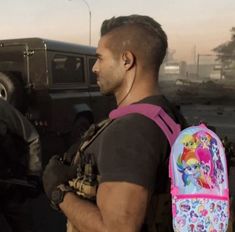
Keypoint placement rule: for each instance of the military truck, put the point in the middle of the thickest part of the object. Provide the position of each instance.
(52, 83)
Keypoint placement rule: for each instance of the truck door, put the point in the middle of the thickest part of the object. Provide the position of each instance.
(68, 89)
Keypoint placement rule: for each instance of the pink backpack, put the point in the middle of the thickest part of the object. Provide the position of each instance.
(198, 172)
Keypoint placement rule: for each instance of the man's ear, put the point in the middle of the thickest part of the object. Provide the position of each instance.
(128, 59)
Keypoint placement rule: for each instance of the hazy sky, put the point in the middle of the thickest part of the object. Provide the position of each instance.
(190, 25)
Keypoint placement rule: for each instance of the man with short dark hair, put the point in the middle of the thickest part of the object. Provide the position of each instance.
(20, 168)
(130, 154)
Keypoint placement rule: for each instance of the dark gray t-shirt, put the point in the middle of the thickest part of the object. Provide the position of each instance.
(134, 149)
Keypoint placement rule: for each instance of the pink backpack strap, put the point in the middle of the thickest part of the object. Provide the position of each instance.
(156, 113)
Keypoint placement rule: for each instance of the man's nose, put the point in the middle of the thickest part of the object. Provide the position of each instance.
(95, 68)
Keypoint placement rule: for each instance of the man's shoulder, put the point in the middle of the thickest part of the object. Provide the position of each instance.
(131, 120)
(4, 105)
(157, 100)
(138, 123)
(8, 112)
(169, 107)
(132, 124)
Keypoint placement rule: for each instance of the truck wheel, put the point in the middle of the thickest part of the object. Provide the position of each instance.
(11, 90)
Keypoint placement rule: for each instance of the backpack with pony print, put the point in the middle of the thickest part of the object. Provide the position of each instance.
(198, 172)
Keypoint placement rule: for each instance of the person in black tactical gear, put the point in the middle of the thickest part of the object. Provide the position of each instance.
(129, 154)
(20, 168)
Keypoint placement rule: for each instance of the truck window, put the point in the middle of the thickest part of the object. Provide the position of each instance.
(68, 69)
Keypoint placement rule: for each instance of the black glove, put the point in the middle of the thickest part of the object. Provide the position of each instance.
(56, 173)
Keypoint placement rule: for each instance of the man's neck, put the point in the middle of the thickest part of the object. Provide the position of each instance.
(137, 86)
(135, 96)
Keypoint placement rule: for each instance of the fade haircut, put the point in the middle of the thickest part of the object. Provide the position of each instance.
(141, 35)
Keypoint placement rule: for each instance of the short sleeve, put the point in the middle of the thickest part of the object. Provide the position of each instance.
(131, 151)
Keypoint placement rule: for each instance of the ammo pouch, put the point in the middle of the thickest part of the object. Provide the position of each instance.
(86, 182)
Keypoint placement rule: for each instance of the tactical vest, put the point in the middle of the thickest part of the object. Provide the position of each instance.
(87, 180)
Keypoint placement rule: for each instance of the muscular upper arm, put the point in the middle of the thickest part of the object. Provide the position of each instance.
(122, 205)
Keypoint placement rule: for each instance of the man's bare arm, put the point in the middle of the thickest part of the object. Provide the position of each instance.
(83, 215)
(121, 206)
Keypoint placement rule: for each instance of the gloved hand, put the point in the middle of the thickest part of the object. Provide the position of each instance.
(56, 173)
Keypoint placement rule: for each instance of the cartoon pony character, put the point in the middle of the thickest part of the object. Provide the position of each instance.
(189, 143)
(203, 153)
(203, 139)
(217, 163)
(181, 220)
(188, 164)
